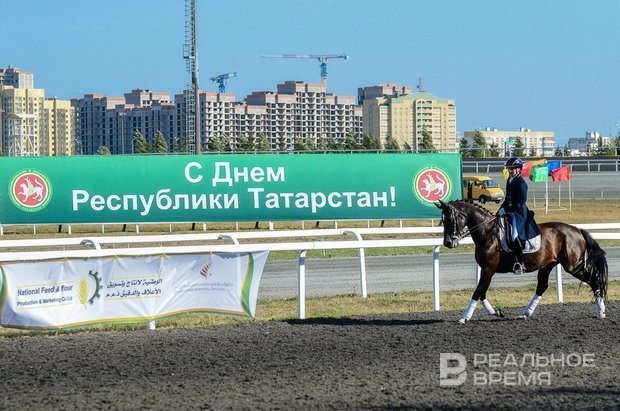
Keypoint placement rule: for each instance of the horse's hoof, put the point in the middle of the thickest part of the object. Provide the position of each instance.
(602, 316)
(499, 313)
(463, 321)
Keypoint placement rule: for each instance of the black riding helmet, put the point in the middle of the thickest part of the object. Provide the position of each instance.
(514, 162)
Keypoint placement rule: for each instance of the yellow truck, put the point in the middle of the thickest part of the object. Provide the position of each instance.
(481, 188)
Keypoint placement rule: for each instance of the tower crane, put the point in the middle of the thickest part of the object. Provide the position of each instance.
(322, 58)
(221, 80)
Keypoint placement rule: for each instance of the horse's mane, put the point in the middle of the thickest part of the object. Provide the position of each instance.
(476, 205)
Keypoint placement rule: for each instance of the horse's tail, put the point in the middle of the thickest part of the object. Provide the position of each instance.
(595, 265)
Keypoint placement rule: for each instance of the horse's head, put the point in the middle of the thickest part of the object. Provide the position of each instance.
(453, 222)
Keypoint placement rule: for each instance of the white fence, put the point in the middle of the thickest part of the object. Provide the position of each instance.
(301, 246)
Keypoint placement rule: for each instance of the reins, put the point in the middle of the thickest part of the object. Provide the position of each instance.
(474, 228)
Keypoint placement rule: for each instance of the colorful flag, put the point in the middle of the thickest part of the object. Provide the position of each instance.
(553, 165)
(539, 173)
(561, 174)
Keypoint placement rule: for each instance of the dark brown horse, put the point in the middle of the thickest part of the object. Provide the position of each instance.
(561, 243)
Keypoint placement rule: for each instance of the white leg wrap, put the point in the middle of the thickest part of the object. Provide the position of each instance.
(488, 307)
(529, 310)
(600, 305)
(470, 310)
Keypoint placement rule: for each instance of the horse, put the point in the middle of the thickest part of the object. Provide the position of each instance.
(573, 248)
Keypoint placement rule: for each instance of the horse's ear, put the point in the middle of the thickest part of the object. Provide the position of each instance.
(440, 205)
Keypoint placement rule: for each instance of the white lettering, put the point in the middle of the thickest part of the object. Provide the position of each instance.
(79, 197)
(219, 166)
(188, 176)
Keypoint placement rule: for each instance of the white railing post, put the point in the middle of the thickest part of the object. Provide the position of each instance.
(558, 282)
(362, 258)
(301, 286)
(436, 278)
(151, 325)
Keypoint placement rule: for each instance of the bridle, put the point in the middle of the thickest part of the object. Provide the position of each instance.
(462, 233)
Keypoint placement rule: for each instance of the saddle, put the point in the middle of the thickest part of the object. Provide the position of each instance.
(505, 234)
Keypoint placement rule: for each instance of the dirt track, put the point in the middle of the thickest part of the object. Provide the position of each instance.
(377, 362)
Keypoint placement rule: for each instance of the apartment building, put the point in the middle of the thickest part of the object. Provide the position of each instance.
(396, 111)
(535, 143)
(112, 121)
(57, 136)
(21, 112)
(13, 76)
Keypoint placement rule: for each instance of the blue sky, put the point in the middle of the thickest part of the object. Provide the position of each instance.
(539, 64)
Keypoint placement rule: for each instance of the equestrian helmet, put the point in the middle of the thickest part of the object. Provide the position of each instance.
(514, 162)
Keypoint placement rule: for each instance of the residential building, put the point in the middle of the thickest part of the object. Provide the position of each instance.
(405, 115)
(587, 144)
(112, 121)
(13, 76)
(21, 112)
(535, 143)
(57, 136)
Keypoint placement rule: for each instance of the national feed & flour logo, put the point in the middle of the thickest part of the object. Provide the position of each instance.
(431, 184)
(88, 288)
(30, 190)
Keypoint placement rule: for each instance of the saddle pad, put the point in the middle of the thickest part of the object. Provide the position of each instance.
(531, 246)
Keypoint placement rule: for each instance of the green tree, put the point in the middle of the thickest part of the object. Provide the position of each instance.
(558, 152)
(464, 148)
(494, 150)
(264, 145)
(322, 145)
(214, 144)
(299, 145)
(180, 145)
(518, 150)
(479, 144)
(604, 149)
(426, 145)
(567, 151)
(161, 147)
(246, 143)
(225, 143)
(407, 146)
(140, 145)
(370, 142)
(533, 152)
(311, 144)
(103, 151)
(334, 145)
(350, 142)
(391, 144)
(282, 143)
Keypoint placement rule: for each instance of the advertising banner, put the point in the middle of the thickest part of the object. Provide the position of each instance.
(269, 187)
(123, 289)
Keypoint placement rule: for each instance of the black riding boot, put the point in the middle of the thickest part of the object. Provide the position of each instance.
(517, 248)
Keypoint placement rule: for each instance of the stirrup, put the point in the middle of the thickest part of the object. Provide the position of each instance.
(518, 268)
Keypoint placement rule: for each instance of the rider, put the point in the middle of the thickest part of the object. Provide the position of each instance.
(514, 206)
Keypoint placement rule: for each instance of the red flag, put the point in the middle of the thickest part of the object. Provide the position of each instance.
(561, 174)
(525, 172)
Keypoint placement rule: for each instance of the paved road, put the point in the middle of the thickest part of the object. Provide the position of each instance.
(605, 184)
(337, 276)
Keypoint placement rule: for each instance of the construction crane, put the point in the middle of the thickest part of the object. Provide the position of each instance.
(221, 80)
(322, 58)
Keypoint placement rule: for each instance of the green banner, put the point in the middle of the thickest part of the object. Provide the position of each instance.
(270, 187)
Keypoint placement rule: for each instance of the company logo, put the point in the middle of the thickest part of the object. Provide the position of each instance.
(431, 184)
(30, 190)
(87, 293)
(205, 270)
